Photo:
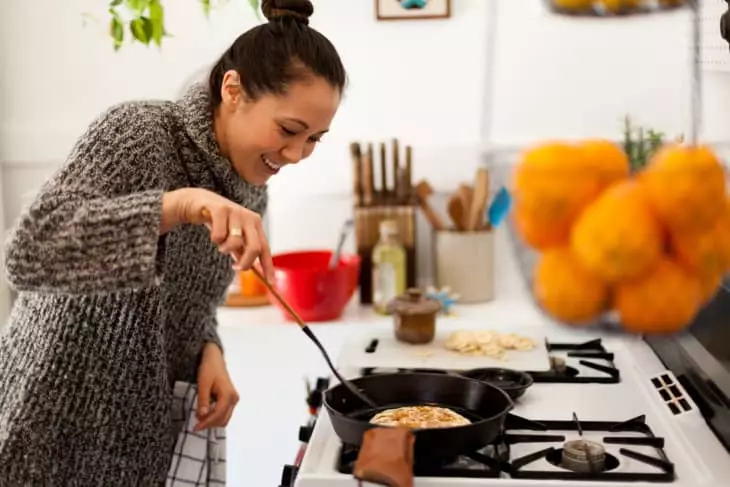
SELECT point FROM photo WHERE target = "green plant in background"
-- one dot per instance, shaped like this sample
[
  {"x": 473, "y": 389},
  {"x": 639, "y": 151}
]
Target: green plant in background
[
  {"x": 640, "y": 144},
  {"x": 144, "y": 20}
]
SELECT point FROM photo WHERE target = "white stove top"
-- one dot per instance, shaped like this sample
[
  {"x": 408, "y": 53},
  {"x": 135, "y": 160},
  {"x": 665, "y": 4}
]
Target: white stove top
[{"x": 699, "y": 458}]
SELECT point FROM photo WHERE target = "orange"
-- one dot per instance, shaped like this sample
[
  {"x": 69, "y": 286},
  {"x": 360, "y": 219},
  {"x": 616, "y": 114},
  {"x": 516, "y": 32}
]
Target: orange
[
  {"x": 607, "y": 159},
  {"x": 686, "y": 187},
  {"x": 573, "y": 5},
  {"x": 616, "y": 6},
  {"x": 709, "y": 284},
  {"x": 663, "y": 301},
  {"x": 539, "y": 235},
  {"x": 566, "y": 290},
  {"x": 617, "y": 237},
  {"x": 706, "y": 254},
  {"x": 250, "y": 284},
  {"x": 553, "y": 182}
]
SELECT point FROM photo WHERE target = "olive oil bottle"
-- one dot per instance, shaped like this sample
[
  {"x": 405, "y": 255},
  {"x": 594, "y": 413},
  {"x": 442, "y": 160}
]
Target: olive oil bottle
[{"x": 389, "y": 267}]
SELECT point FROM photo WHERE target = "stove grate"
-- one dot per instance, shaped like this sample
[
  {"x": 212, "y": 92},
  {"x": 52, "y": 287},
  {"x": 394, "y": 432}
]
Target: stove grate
[{"x": 518, "y": 467}]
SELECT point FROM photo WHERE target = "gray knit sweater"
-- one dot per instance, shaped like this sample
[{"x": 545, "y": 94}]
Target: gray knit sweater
[{"x": 109, "y": 314}]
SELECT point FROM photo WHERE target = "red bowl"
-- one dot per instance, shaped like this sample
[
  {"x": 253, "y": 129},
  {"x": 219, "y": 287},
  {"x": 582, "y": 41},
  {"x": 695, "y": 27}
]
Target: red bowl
[{"x": 314, "y": 291}]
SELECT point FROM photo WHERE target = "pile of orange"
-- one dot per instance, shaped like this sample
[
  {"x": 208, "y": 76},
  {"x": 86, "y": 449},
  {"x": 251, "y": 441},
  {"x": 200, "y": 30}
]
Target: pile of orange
[{"x": 651, "y": 247}]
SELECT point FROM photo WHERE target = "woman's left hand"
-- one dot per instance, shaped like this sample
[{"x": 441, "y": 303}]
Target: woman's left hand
[{"x": 214, "y": 383}]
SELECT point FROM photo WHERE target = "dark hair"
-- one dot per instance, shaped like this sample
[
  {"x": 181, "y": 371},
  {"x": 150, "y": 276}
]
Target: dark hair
[{"x": 270, "y": 56}]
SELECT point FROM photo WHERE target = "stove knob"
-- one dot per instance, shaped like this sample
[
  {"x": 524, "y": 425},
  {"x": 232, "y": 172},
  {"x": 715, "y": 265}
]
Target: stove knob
[
  {"x": 323, "y": 384},
  {"x": 289, "y": 475},
  {"x": 305, "y": 433}
]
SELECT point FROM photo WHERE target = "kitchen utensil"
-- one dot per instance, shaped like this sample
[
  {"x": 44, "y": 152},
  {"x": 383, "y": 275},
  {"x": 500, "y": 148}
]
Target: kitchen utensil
[
  {"x": 456, "y": 212},
  {"x": 466, "y": 194},
  {"x": 307, "y": 331},
  {"x": 499, "y": 208},
  {"x": 479, "y": 200},
  {"x": 485, "y": 405},
  {"x": 409, "y": 172},
  {"x": 514, "y": 382},
  {"x": 367, "y": 179},
  {"x": 384, "y": 194},
  {"x": 464, "y": 262},
  {"x": 316, "y": 292},
  {"x": 423, "y": 191},
  {"x": 379, "y": 349},
  {"x": 343, "y": 236},
  {"x": 357, "y": 171},
  {"x": 414, "y": 317},
  {"x": 396, "y": 164},
  {"x": 401, "y": 178}
]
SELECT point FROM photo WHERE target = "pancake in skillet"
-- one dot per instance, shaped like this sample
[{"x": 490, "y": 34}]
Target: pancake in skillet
[{"x": 420, "y": 417}]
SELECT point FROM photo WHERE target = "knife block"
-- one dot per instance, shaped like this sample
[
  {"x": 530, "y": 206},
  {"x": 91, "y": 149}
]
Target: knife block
[{"x": 367, "y": 223}]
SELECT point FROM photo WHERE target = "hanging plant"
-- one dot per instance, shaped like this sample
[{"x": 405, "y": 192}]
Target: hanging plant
[{"x": 144, "y": 20}]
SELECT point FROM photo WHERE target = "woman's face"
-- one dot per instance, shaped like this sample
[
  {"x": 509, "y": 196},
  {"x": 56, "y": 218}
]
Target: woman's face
[{"x": 261, "y": 137}]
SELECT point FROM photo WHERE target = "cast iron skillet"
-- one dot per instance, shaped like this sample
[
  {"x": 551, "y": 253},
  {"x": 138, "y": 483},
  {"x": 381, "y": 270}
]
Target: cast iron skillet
[
  {"x": 513, "y": 382},
  {"x": 483, "y": 404}
]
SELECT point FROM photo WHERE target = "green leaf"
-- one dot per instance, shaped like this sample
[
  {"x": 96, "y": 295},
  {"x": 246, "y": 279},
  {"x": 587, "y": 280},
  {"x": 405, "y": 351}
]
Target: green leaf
[
  {"x": 137, "y": 7},
  {"x": 115, "y": 3},
  {"x": 206, "y": 7},
  {"x": 157, "y": 19},
  {"x": 117, "y": 31},
  {"x": 255, "y": 6},
  {"x": 142, "y": 30}
]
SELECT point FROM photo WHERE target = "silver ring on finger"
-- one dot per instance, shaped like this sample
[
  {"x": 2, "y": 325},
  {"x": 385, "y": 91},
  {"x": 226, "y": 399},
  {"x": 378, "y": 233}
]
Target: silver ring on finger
[{"x": 235, "y": 232}]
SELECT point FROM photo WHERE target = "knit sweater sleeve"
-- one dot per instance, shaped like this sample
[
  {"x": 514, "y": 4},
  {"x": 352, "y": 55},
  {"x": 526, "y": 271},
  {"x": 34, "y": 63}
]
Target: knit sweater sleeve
[{"x": 94, "y": 226}]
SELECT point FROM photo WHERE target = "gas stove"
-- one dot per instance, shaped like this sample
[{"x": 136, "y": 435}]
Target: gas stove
[{"x": 612, "y": 410}]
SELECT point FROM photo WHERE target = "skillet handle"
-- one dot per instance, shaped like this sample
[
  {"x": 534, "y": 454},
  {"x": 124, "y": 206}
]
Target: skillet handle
[{"x": 386, "y": 457}]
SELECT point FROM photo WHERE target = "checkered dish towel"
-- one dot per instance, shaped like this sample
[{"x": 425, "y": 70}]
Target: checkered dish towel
[{"x": 199, "y": 458}]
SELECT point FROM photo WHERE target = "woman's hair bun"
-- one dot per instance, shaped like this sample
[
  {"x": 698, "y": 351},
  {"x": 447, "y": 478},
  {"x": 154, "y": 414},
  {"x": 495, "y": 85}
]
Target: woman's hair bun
[{"x": 299, "y": 10}]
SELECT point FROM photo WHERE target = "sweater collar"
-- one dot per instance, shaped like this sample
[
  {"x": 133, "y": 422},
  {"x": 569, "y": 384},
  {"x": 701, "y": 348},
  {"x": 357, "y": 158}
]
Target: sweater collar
[{"x": 197, "y": 113}]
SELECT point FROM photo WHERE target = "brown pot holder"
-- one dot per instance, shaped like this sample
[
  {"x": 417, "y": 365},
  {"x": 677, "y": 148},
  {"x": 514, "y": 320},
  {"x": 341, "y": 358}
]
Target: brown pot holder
[{"x": 386, "y": 457}]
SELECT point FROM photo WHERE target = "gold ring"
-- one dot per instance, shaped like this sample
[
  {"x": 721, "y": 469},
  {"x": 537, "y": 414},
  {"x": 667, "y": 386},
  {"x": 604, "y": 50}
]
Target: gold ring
[{"x": 235, "y": 232}]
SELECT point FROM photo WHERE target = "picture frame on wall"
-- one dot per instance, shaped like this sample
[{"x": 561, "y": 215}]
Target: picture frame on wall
[{"x": 412, "y": 9}]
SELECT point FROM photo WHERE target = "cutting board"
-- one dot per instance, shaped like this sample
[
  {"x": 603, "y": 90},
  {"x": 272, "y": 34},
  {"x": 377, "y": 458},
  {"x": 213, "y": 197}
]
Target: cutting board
[{"x": 390, "y": 353}]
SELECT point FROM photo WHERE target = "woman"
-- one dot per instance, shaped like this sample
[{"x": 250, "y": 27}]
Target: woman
[{"x": 119, "y": 270}]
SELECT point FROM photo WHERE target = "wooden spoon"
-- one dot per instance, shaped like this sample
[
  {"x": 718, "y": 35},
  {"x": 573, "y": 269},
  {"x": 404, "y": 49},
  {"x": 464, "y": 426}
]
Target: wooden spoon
[{"x": 456, "y": 212}]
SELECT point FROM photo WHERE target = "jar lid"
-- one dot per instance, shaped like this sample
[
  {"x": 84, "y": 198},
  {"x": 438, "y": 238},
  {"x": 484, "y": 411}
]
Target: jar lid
[{"x": 413, "y": 302}]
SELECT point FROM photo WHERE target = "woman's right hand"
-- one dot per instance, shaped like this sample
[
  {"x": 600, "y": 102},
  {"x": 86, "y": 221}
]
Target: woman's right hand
[{"x": 236, "y": 230}]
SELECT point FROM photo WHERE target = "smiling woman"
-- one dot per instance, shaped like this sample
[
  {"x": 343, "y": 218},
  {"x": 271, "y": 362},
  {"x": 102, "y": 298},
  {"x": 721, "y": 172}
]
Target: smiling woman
[{"x": 124, "y": 256}]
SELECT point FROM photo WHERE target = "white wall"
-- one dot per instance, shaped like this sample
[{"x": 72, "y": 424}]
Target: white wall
[{"x": 421, "y": 81}]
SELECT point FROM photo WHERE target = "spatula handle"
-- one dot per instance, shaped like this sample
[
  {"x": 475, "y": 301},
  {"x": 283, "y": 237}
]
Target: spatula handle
[{"x": 206, "y": 215}]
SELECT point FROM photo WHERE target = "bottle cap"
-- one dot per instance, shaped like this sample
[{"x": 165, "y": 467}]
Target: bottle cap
[{"x": 388, "y": 227}]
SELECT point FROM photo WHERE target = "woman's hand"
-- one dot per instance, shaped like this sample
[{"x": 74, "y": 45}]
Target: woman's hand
[
  {"x": 234, "y": 229},
  {"x": 214, "y": 383}
]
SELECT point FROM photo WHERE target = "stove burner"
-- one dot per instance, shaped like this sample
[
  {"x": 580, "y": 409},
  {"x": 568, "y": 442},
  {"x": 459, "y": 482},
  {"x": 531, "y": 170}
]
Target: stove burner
[{"x": 583, "y": 456}]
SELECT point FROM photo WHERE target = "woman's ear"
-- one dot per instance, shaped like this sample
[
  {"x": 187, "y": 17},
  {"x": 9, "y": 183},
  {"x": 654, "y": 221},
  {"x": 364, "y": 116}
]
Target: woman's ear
[{"x": 231, "y": 90}]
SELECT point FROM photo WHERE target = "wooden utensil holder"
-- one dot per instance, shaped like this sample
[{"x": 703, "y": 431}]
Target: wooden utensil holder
[{"x": 367, "y": 222}]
